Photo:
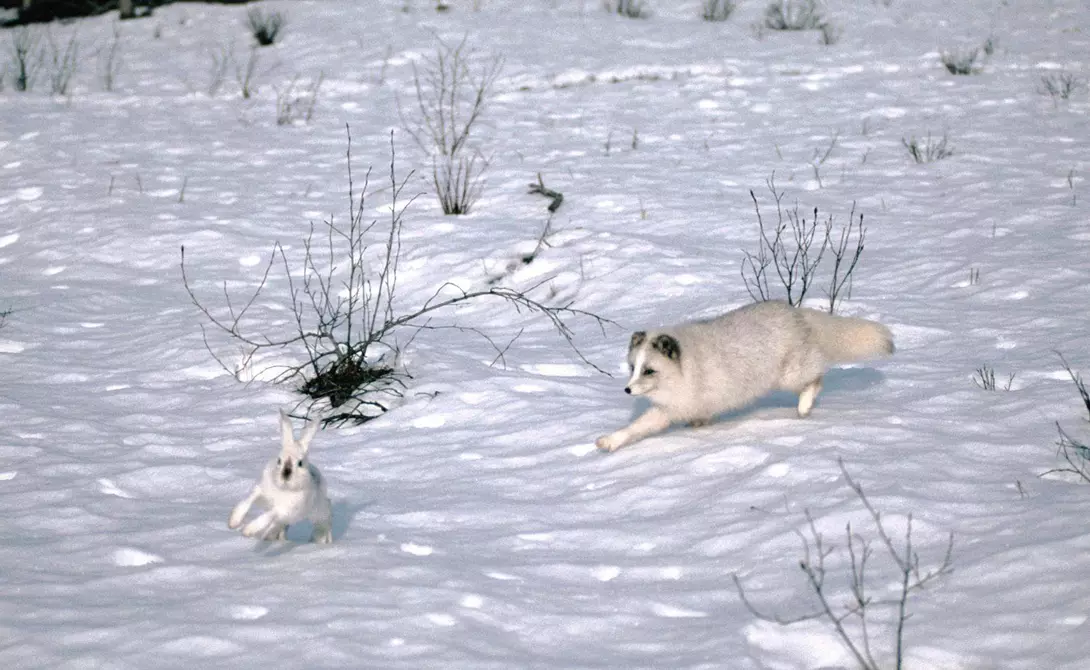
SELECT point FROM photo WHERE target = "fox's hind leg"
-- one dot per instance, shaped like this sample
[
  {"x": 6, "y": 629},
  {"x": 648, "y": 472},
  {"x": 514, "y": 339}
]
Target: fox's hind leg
[{"x": 807, "y": 396}]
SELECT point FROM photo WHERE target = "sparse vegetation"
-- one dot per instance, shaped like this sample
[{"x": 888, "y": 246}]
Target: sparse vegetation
[
  {"x": 295, "y": 102},
  {"x": 853, "y": 610},
  {"x": 717, "y": 10},
  {"x": 929, "y": 150},
  {"x": 984, "y": 377},
  {"x": 794, "y": 15},
  {"x": 26, "y": 57},
  {"x": 265, "y": 26},
  {"x": 633, "y": 9},
  {"x": 793, "y": 248},
  {"x": 346, "y": 323},
  {"x": 452, "y": 92},
  {"x": 1076, "y": 454},
  {"x": 961, "y": 61},
  {"x": 64, "y": 61},
  {"x": 1060, "y": 85},
  {"x": 830, "y": 33},
  {"x": 109, "y": 61}
]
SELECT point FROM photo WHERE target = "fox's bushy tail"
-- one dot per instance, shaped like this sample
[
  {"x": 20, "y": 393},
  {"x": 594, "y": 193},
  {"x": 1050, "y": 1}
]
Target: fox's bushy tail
[{"x": 844, "y": 339}]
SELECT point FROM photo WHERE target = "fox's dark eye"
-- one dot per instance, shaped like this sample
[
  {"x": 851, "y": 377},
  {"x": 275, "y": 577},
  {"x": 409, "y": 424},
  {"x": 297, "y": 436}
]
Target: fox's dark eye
[
  {"x": 648, "y": 372},
  {"x": 299, "y": 463},
  {"x": 279, "y": 460}
]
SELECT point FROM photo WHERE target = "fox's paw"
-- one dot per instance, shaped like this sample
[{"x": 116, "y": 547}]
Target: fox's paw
[{"x": 608, "y": 443}]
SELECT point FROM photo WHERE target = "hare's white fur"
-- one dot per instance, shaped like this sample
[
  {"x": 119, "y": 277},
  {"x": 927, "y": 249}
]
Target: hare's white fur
[{"x": 291, "y": 490}]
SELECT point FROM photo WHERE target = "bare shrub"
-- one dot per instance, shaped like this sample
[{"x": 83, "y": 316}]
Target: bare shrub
[
  {"x": 347, "y": 323},
  {"x": 961, "y": 61},
  {"x": 110, "y": 61},
  {"x": 64, "y": 61},
  {"x": 717, "y": 10},
  {"x": 794, "y": 15},
  {"x": 26, "y": 56},
  {"x": 245, "y": 73},
  {"x": 451, "y": 95},
  {"x": 295, "y": 102},
  {"x": 220, "y": 58},
  {"x": 791, "y": 251},
  {"x": 854, "y": 610},
  {"x": 1075, "y": 453},
  {"x": 1060, "y": 85},
  {"x": 265, "y": 26},
  {"x": 984, "y": 377},
  {"x": 830, "y": 33},
  {"x": 633, "y": 9},
  {"x": 929, "y": 150}
]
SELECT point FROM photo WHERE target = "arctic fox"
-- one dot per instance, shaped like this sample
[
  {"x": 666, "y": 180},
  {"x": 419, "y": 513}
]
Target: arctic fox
[{"x": 694, "y": 371}]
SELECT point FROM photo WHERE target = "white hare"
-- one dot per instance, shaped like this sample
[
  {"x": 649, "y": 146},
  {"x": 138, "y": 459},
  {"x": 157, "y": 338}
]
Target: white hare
[{"x": 290, "y": 488}]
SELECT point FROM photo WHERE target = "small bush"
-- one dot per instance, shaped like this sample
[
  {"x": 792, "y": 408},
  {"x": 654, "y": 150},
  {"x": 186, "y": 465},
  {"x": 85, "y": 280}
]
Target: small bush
[
  {"x": 961, "y": 61},
  {"x": 984, "y": 377},
  {"x": 295, "y": 102},
  {"x": 830, "y": 33},
  {"x": 633, "y": 9},
  {"x": 1075, "y": 453},
  {"x": 64, "y": 61},
  {"x": 717, "y": 10},
  {"x": 347, "y": 325},
  {"x": 451, "y": 95},
  {"x": 929, "y": 151},
  {"x": 1060, "y": 85},
  {"x": 791, "y": 250},
  {"x": 26, "y": 57},
  {"x": 852, "y": 608},
  {"x": 265, "y": 27},
  {"x": 794, "y": 15}
]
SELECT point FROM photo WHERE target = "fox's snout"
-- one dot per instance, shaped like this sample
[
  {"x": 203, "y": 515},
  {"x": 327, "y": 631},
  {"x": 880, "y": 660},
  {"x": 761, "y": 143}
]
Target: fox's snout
[{"x": 628, "y": 390}]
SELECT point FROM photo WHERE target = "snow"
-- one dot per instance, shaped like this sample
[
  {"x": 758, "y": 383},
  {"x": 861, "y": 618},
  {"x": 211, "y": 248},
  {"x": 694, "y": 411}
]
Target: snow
[{"x": 475, "y": 525}]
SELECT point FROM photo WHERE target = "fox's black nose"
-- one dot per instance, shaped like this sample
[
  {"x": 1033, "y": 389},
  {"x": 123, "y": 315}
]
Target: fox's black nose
[{"x": 628, "y": 390}]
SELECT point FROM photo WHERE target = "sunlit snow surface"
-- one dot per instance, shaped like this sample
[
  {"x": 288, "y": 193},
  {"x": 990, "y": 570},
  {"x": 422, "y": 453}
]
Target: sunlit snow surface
[{"x": 475, "y": 525}]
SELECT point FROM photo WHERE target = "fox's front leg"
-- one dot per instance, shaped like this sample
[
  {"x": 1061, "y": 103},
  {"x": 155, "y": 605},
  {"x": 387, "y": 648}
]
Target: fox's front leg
[
  {"x": 650, "y": 422},
  {"x": 240, "y": 510}
]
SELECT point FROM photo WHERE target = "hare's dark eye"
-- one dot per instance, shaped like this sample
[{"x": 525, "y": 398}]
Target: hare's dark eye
[
  {"x": 648, "y": 372},
  {"x": 299, "y": 463}
]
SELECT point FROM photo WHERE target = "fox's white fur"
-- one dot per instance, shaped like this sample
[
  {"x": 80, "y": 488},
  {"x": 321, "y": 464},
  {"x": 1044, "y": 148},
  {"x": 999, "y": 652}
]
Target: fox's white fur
[
  {"x": 695, "y": 371},
  {"x": 290, "y": 488}
]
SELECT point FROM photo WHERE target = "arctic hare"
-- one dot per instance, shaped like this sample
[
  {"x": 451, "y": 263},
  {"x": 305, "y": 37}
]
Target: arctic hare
[{"x": 290, "y": 488}]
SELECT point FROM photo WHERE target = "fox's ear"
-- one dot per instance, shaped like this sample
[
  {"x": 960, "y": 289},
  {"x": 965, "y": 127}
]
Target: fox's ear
[
  {"x": 637, "y": 339},
  {"x": 287, "y": 439},
  {"x": 668, "y": 346}
]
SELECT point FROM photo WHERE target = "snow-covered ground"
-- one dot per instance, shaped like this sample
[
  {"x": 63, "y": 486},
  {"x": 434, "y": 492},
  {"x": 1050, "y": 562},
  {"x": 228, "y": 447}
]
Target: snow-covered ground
[{"x": 475, "y": 524}]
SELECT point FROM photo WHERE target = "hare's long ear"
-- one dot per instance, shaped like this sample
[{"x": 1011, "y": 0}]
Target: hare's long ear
[
  {"x": 287, "y": 438},
  {"x": 309, "y": 432}
]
